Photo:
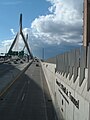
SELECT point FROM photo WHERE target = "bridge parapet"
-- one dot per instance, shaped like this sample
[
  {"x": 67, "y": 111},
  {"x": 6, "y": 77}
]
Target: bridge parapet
[
  {"x": 69, "y": 63},
  {"x": 69, "y": 84}
]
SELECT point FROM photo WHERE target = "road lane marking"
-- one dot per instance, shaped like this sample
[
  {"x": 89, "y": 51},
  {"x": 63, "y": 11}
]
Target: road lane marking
[
  {"x": 23, "y": 97},
  {"x": 20, "y": 94},
  {"x": 17, "y": 77}
]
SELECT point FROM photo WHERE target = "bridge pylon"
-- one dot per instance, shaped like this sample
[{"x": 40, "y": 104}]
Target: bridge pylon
[{"x": 23, "y": 38}]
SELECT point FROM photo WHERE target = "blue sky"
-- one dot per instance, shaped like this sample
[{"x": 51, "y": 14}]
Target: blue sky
[
  {"x": 10, "y": 10},
  {"x": 51, "y": 24}
]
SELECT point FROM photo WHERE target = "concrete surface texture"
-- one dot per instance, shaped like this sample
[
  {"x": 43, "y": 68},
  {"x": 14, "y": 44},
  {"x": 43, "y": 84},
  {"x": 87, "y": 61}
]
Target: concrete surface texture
[
  {"x": 28, "y": 98},
  {"x": 71, "y": 101},
  {"x": 9, "y": 72}
]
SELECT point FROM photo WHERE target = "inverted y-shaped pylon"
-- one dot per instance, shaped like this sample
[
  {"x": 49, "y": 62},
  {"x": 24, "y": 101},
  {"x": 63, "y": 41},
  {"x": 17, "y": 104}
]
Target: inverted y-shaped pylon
[{"x": 23, "y": 38}]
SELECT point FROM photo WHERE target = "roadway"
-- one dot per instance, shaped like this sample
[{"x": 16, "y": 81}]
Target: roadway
[
  {"x": 4, "y": 68},
  {"x": 28, "y": 98}
]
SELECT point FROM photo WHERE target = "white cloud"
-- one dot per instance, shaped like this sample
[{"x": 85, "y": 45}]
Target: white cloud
[
  {"x": 12, "y": 31},
  {"x": 5, "y": 45},
  {"x": 64, "y": 23},
  {"x": 19, "y": 45}
]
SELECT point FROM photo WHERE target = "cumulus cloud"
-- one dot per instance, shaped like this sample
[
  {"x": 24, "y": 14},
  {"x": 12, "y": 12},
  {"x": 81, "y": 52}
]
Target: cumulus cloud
[
  {"x": 12, "y": 31},
  {"x": 19, "y": 45},
  {"x": 64, "y": 23},
  {"x": 5, "y": 45}
]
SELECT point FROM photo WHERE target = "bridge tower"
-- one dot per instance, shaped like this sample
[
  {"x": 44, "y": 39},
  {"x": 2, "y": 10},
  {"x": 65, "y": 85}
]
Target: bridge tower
[{"x": 23, "y": 38}]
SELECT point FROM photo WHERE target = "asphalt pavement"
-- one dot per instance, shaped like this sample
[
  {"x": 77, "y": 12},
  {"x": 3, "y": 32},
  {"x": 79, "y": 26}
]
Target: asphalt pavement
[
  {"x": 4, "y": 68},
  {"x": 28, "y": 98}
]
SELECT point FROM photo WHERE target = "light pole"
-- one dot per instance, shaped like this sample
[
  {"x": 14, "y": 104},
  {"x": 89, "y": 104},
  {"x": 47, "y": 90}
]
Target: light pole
[{"x": 43, "y": 53}]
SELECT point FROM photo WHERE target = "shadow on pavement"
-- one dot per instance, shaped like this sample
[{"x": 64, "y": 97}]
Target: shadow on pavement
[{"x": 28, "y": 98}]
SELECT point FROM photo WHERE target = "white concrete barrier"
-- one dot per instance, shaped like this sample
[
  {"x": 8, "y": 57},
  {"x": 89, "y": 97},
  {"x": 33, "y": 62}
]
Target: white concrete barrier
[{"x": 71, "y": 101}]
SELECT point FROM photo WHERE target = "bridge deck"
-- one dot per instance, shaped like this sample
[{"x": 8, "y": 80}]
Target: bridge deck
[{"x": 28, "y": 98}]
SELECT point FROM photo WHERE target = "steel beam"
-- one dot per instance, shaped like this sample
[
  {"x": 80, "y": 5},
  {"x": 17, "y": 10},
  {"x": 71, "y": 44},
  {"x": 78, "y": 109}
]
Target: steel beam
[{"x": 13, "y": 43}]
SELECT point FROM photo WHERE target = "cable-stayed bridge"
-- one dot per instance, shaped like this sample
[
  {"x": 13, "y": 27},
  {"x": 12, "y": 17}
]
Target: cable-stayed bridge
[{"x": 55, "y": 89}]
